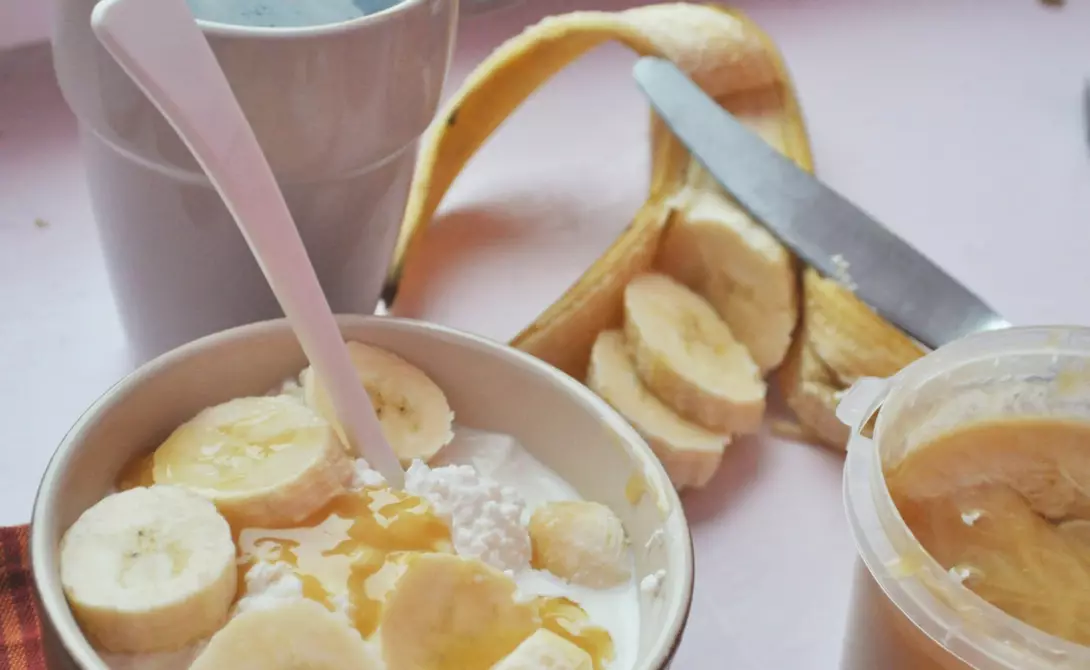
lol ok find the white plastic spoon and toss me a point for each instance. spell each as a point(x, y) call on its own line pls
point(158, 44)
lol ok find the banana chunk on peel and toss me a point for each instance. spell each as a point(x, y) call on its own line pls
point(267, 461)
point(736, 63)
point(300, 634)
point(721, 51)
point(839, 341)
point(581, 541)
point(690, 454)
point(689, 358)
point(716, 249)
point(545, 650)
point(149, 569)
point(414, 413)
point(448, 612)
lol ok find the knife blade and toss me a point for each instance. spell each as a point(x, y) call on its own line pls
point(822, 227)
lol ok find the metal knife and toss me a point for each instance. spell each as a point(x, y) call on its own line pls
point(831, 234)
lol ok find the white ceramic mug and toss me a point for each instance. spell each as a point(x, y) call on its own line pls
point(338, 110)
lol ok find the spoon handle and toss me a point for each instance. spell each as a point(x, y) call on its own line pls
point(158, 44)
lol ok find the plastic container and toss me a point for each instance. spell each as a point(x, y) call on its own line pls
point(906, 612)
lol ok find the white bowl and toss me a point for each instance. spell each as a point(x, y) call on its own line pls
point(490, 387)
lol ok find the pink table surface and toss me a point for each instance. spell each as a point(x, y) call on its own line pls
point(956, 122)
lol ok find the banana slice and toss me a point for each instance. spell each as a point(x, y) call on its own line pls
point(415, 416)
point(452, 613)
point(546, 649)
point(1077, 531)
point(839, 340)
point(812, 392)
point(688, 357)
point(689, 453)
point(580, 541)
point(267, 461)
point(717, 250)
point(301, 634)
point(149, 569)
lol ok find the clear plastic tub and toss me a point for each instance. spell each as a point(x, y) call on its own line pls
point(906, 612)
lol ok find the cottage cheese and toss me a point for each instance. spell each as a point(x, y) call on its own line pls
point(269, 585)
point(485, 518)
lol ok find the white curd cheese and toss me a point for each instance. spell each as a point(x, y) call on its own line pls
point(485, 517)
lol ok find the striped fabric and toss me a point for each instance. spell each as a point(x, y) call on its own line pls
point(20, 635)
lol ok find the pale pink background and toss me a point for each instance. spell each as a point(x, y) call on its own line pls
point(956, 122)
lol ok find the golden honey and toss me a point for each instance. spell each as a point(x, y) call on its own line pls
point(355, 548)
point(343, 550)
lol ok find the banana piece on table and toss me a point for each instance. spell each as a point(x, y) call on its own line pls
point(690, 454)
point(712, 246)
point(582, 542)
point(415, 416)
point(449, 613)
point(149, 569)
point(301, 634)
point(839, 340)
point(686, 354)
point(545, 650)
point(266, 461)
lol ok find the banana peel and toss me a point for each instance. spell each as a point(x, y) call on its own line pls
point(711, 45)
point(837, 340)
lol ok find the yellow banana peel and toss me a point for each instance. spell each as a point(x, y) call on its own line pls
point(838, 338)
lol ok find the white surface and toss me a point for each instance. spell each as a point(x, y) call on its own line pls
point(23, 22)
point(958, 123)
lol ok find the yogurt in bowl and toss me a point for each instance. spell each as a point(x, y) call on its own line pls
point(535, 523)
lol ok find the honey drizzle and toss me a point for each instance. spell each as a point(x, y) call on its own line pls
point(339, 549)
point(355, 547)
point(137, 472)
point(565, 618)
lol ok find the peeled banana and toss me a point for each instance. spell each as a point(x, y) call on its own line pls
point(690, 454)
point(689, 358)
point(839, 340)
point(266, 461)
point(715, 248)
point(149, 569)
point(818, 335)
point(714, 47)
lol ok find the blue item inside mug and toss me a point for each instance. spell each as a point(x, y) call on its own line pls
point(285, 13)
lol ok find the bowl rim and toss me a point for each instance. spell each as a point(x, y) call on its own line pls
point(74, 642)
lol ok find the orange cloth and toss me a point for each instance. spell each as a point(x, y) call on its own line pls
point(20, 631)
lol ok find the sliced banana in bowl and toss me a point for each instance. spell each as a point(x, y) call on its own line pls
point(415, 415)
point(296, 635)
point(448, 612)
point(582, 542)
point(149, 569)
point(546, 650)
point(265, 461)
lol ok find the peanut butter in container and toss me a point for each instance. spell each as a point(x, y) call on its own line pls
point(967, 488)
